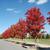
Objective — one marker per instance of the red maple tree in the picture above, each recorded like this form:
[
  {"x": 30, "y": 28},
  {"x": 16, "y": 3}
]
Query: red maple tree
[
  {"x": 6, "y": 34},
  {"x": 35, "y": 21},
  {"x": 21, "y": 27},
  {"x": 48, "y": 18}
]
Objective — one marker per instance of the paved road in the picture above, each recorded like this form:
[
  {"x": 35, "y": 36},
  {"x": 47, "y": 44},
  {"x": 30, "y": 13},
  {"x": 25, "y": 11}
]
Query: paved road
[{"x": 4, "y": 45}]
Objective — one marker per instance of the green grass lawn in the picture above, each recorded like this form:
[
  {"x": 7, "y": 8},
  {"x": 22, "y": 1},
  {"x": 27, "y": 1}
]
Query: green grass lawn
[
  {"x": 42, "y": 41},
  {"x": 45, "y": 41}
]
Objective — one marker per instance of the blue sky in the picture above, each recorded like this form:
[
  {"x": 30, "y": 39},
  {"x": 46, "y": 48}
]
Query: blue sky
[{"x": 12, "y": 10}]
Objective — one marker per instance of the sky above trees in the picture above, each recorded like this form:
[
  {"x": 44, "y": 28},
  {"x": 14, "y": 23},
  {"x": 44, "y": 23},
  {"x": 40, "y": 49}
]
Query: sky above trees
[{"x": 12, "y": 10}]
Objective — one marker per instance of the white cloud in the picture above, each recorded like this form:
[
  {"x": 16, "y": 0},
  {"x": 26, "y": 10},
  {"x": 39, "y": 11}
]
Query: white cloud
[
  {"x": 12, "y": 10},
  {"x": 38, "y": 1},
  {"x": 9, "y": 9},
  {"x": 42, "y": 1},
  {"x": 31, "y": 1}
]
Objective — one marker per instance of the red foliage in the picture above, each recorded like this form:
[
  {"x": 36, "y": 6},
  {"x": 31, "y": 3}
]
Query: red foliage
[
  {"x": 35, "y": 21},
  {"x": 33, "y": 24},
  {"x": 21, "y": 28},
  {"x": 48, "y": 12},
  {"x": 18, "y": 30},
  {"x": 48, "y": 18},
  {"x": 6, "y": 34}
]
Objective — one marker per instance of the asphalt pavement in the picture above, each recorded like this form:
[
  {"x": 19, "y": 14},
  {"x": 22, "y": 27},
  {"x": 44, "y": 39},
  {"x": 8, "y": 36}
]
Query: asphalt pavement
[{"x": 4, "y": 45}]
